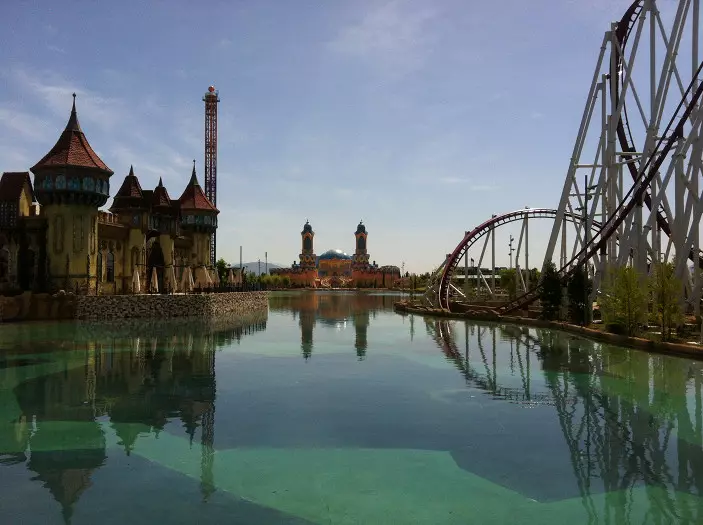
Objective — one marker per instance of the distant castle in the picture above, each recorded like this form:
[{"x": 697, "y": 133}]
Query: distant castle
[
  {"x": 336, "y": 269},
  {"x": 53, "y": 236}
]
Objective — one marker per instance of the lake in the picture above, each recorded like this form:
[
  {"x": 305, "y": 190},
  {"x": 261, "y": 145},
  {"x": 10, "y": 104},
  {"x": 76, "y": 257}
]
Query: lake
[{"x": 332, "y": 409}]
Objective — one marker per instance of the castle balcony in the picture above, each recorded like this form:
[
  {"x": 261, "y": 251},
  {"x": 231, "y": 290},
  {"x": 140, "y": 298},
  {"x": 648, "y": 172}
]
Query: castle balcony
[{"x": 105, "y": 217}]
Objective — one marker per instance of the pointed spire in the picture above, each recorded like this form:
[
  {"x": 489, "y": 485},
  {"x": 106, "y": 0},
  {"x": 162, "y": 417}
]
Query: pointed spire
[
  {"x": 160, "y": 184},
  {"x": 72, "y": 123},
  {"x": 193, "y": 177},
  {"x": 131, "y": 171}
]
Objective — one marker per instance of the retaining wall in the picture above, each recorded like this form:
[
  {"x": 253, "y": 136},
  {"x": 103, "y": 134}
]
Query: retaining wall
[{"x": 45, "y": 307}]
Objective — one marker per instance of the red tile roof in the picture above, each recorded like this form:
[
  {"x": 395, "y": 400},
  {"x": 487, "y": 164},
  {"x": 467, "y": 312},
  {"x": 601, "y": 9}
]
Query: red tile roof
[
  {"x": 11, "y": 185},
  {"x": 72, "y": 149},
  {"x": 160, "y": 196},
  {"x": 194, "y": 198},
  {"x": 130, "y": 187}
]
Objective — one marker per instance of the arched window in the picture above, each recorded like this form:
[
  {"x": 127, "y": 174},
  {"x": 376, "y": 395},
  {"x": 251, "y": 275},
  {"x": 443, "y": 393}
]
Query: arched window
[
  {"x": 110, "y": 268},
  {"x": 135, "y": 258},
  {"x": 307, "y": 243}
]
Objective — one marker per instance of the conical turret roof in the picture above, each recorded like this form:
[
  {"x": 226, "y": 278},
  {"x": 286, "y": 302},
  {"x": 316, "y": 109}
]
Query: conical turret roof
[
  {"x": 194, "y": 197},
  {"x": 72, "y": 149},
  {"x": 160, "y": 196}
]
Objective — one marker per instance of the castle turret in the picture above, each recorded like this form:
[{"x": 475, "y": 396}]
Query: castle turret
[
  {"x": 71, "y": 182},
  {"x": 130, "y": 206},
  {"x": 198, "y": 216},
  {"x": 308, "y": 259}
]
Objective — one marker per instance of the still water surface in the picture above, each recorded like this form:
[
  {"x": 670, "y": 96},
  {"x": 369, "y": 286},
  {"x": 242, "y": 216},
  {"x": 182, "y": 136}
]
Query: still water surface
[{"x": 332, "y": 409}]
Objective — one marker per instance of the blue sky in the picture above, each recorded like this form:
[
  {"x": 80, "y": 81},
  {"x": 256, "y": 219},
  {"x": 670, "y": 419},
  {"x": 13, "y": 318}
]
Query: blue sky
[{"x": 421, "y": 118}]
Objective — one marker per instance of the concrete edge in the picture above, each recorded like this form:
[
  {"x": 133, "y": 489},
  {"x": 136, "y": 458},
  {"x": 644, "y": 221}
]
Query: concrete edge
[{"x": 656, "y": 347}]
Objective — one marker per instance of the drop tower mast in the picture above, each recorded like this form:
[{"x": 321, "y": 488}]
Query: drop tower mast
[{"x": 211, "y": 98}]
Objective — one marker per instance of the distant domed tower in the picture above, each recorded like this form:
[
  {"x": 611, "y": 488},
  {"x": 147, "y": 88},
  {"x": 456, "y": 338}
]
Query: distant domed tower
[
  {"x": 361, "y": 256},
  {"x": 308, "y": 259},
  {"x": 71, "y": 183}
]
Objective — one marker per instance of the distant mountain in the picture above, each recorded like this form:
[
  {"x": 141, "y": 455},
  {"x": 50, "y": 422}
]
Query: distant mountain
[{"x": 253, "y": 267}]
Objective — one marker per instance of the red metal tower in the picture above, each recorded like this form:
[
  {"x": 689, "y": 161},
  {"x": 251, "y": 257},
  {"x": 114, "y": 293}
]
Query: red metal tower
[{"x": 211, "y": 98}]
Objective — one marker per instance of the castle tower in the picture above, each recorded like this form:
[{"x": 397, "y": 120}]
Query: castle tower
[
  {"x": 308, "y": 259},
  {"x": 71, "y": 183},
  {"x": 162, "y": 228},
  {"x": 361, "y": 256},
  {"x": 199, "y": 217},
  {"x": 128, "y": 204}
]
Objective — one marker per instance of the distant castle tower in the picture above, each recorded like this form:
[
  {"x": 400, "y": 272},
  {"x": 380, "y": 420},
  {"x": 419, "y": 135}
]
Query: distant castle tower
[
  {"x": 308, "y": 259},
  {"x": 361, "y": 255}
]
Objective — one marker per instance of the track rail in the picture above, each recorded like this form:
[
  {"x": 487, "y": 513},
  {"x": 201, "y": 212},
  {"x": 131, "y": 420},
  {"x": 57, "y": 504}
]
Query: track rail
[
  {"x": 485, "y": 228},
  {"x": 623, "y": 132},
  {"x": 645, "y": 175}
]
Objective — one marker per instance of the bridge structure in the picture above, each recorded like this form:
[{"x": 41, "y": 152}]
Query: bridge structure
[{"x": 631, "y": 194}]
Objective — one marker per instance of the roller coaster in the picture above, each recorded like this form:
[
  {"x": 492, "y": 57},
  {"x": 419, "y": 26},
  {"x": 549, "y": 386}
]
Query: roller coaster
[{"x": 618, "y": 219}]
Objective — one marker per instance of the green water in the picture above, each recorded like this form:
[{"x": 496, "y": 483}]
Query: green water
[{"x": 332, "y": 409}]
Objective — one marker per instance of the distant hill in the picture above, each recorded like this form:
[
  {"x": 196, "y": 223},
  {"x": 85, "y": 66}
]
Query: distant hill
[{"x": 253, "y": 267}]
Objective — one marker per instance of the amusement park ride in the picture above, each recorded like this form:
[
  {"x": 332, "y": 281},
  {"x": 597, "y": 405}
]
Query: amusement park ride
[{"x": 632, "y": 189}]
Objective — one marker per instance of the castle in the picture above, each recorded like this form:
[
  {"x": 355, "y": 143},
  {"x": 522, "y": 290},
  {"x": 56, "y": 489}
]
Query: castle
[
  {"x": 336, "y": 269},
  {"x": 54, "y": 236}
]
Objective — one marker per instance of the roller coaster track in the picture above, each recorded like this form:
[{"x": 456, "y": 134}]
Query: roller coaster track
[
  {"x": 671, "y": 136},
  {"x": 624, "y": 134},
  {"x": 485, "y": 228}
]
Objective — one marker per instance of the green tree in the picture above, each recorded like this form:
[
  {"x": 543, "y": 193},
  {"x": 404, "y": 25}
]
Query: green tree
[
  {"x": 534, "y": 277},
  {"x": 623, "y": 301},
  {"x": 550, "y": 294},
  {"x": 508, "y": 282},
  {"x": 577, "y": 289},
  {"x": 285, "y": 281},
  {"x": 666, "y": 298},
  {"x": 222, "y": 267}
]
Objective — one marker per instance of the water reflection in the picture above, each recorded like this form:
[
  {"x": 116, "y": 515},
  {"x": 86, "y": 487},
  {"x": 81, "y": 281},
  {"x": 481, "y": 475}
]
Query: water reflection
[
  {"x": 628, "y": 418},
  {"x": 335, "y": 310},
  {"x": 574, "y": 430},
  {"x": 135, "y": 376}
]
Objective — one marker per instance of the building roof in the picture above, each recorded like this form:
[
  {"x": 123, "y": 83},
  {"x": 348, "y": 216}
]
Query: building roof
[
  {"x": 360, "y": 228},
  {"x": 307, "y": 228},
  {"x": 194, "y": 197},
  {"x": 160, "y": 196},
  {"x": 130, "y": 186},
  {"x": 11, "y": 184},
  {"x": 72, "y": 149},
  {"x": 334, "y": 254}
]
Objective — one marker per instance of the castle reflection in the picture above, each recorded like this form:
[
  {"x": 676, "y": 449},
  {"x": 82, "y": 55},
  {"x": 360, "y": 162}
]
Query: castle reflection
[
  {"x": 628, "y": 418},
  {"x": 335, "y": 310},
  {"x": 138, "y": 377}
]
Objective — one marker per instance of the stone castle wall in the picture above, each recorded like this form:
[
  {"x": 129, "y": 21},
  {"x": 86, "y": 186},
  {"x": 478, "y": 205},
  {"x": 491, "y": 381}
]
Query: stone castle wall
[{"x": 45, "y": 307}]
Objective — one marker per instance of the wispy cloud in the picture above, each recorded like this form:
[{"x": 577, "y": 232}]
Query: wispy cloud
[
  {"x": 55, "y": 92},
  {"x": 28, "y": 126},
  {"x": 392, "y": 35},
  {"x": 56, "y": 49}
]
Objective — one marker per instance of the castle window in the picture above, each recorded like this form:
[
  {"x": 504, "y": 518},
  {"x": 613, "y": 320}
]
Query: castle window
[
  {"x": 99, "y": 265},
  {"x": 135, "y": 258},
  {"x": 4, "y": 263},
  {"x": 110, "y": 268},
  {"x": 60, "y": 182}
]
